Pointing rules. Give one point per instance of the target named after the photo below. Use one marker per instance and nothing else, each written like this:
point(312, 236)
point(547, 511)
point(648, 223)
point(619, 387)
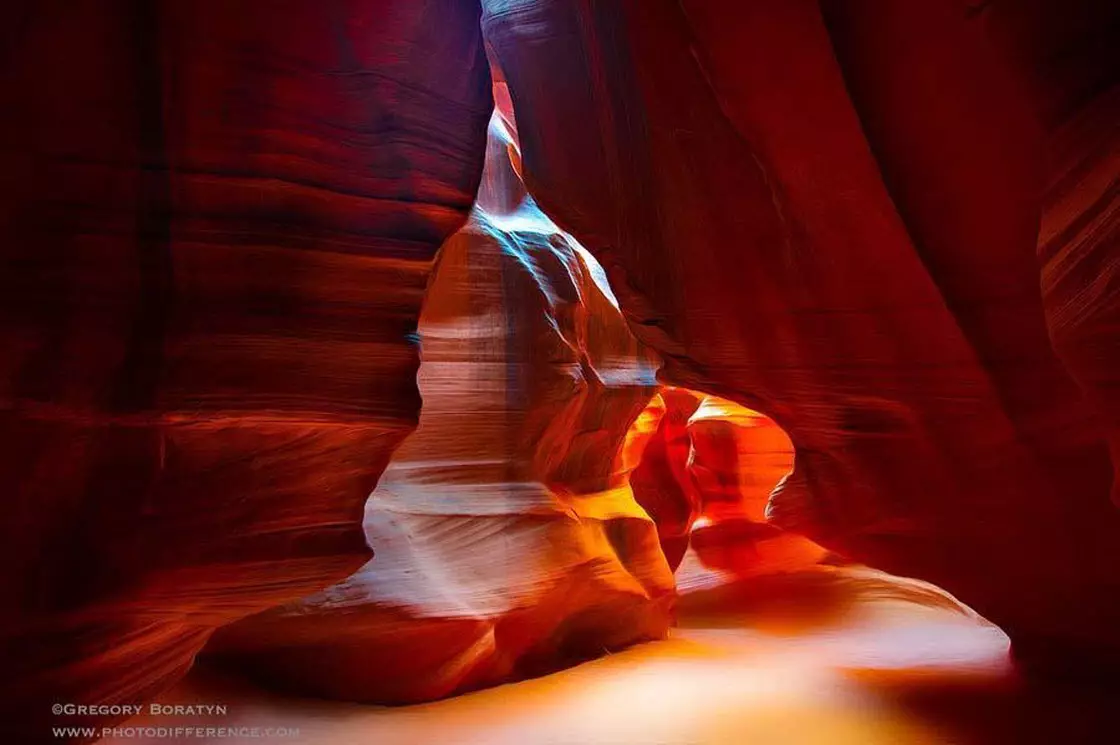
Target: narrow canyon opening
point(560, 520)
point(705, 478)
point(411, 371)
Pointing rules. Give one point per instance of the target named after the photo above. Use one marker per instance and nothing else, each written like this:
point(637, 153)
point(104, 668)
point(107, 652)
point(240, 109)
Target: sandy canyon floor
point(830, 655)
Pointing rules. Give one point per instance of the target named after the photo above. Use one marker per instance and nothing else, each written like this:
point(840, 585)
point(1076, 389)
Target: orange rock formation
point(506, 537)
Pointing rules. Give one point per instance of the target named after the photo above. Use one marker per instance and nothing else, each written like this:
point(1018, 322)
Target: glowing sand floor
point(826, 656)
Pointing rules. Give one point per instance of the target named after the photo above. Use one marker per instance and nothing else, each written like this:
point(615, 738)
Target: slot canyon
point(690, 372)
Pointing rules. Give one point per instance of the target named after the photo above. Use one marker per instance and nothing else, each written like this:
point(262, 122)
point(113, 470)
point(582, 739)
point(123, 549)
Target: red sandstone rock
point(1064, 52)
point(1079, 248)
point(706, 478)
point(1066, 57)
point(738, 457)
point(217, 223)
point(507, 540)
point(831, 218)
point(661, 482)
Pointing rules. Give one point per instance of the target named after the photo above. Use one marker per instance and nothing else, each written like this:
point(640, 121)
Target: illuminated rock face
point(507, 540)
point(217, 226)
point(217, 223)
point(738, 457)
point(828, 212)
point(706, 479)
point(662, 483)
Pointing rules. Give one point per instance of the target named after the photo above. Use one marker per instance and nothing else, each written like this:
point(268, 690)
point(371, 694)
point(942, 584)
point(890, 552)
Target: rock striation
point(218, 223)
point(662, 483)
point(828, 212)
point(739, 458)
point(506, 536)
point(706, 479)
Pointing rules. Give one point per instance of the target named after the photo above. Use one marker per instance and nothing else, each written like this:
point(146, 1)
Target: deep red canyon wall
point(890, 226)
point(1079, 242)
point(218, 221)
point(829, 214)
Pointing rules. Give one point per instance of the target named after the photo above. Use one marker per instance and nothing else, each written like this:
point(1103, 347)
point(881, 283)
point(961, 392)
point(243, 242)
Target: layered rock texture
point(1079, 249)
point(218, 220)
point(828, 212)
point(738, 459)
point(706, 479)
point(662, 483)
point(507, 540)
point(890, 228)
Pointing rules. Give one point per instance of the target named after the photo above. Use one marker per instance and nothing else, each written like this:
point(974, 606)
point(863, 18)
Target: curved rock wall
point(1079, 248)
point(706, 479)
point(507, 540)
point(828, 212)
point(661, 482)
point(217, 224)
point(738, 458)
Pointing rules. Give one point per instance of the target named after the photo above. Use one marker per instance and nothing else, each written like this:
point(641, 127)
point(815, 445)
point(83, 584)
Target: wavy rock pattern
point(828, 212)
point(507, 540)
point(1079, 248)
point(661, 482)
point(706, 480)
point(738, 458)
point(217, 225)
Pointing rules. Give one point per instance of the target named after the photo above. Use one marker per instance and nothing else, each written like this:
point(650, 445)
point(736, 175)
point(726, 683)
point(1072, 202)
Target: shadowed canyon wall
point(1068, 59)
point(1079, 243)
point(218, 222)
point(891, 227)
point(829, 213)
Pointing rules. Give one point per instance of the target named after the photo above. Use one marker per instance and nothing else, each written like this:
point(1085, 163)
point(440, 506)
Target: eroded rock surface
point(828, 212)
point(738, 459)
point(507, 540)
point(217, 224)
point(706, 479)
point(1079, 248)
point(662, 483)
